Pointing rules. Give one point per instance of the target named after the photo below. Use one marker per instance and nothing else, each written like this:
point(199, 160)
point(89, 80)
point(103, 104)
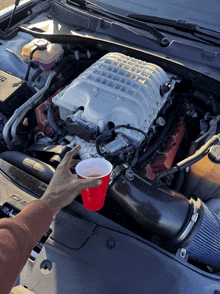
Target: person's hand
point(64, 187)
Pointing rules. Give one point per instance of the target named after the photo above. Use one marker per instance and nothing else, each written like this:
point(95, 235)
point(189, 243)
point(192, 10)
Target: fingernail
point(99, 182)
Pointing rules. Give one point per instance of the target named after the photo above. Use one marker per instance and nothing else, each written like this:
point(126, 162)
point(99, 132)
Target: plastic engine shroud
point(117, 89)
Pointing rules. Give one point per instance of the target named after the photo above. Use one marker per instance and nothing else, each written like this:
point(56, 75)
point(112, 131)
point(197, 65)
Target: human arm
point(20, 234)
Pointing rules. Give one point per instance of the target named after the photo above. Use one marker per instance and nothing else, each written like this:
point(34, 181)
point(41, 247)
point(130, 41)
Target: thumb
point(90, 183)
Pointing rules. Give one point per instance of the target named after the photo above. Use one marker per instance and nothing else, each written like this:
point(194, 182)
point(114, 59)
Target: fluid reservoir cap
point(214, 153)
point(41, 44)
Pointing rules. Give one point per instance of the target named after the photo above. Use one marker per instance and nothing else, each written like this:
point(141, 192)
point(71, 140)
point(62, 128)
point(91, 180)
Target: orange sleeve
point(18, 236)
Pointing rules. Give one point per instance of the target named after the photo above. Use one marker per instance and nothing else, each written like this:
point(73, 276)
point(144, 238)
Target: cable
point(179, 181)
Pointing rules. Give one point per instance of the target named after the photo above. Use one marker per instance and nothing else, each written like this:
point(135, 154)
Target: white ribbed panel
point(119, 89)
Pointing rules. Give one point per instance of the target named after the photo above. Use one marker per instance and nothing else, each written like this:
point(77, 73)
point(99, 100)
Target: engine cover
point(117, 89)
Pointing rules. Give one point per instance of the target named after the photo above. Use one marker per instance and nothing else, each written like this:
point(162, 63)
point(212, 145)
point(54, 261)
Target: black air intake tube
point(177, 221)
point(30, 165)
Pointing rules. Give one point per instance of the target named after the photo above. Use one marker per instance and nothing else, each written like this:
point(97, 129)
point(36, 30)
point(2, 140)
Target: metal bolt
point(183, 253)
point(129, 174)
point(161, 121)
point(46, 266)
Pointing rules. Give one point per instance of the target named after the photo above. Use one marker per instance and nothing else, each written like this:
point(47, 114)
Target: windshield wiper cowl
point(180, 25)
point(163, 41)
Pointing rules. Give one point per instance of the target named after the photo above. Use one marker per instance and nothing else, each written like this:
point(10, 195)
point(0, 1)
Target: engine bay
point(145, 120)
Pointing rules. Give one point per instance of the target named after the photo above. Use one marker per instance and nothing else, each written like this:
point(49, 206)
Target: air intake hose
point(175, 220)
point(30, 165)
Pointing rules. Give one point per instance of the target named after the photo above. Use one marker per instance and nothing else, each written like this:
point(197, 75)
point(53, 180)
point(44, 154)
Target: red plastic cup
point(99, 168)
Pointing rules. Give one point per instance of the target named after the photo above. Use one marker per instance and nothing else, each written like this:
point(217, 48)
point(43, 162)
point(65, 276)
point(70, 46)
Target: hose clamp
point(191, 224)
point(116, 172)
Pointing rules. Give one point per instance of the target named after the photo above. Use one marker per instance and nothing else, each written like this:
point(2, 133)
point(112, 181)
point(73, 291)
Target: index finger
point(69, 155)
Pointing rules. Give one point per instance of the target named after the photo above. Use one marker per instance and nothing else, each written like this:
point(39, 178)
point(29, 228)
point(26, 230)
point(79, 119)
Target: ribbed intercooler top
point(118, 89)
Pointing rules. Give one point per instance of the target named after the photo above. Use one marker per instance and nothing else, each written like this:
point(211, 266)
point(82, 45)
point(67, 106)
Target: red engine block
point(164, 160)
point(42, 118)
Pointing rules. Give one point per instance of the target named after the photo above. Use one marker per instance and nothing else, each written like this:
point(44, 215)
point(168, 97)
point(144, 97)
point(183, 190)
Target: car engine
point(156, 127)
point(119, 90)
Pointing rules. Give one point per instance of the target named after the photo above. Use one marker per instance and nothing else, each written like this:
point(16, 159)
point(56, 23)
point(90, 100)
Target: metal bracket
point(182, 254)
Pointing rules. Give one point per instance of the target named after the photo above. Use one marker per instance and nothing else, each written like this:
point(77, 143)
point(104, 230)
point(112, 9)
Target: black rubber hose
point(97, 145)
point(192, 150)
point(32, 166)
point(179, 180)
point(200, 154)
point(29, 63)
point(51, 121)
point(189, 160)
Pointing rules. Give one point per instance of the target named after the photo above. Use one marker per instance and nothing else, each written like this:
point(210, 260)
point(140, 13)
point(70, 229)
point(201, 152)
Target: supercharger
point(120, 90)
